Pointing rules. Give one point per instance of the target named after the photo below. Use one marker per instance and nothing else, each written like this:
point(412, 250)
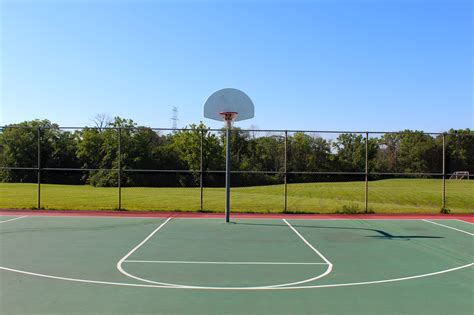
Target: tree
point(95, 151)
point(102, 120)
point(186, 144)
point(409, 152)
point(308, 154)
point(267, 153)
point(460, 150)
point(19, 148)
point(350, 152)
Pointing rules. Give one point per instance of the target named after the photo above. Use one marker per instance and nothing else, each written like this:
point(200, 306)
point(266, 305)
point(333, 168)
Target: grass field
point(385, 196)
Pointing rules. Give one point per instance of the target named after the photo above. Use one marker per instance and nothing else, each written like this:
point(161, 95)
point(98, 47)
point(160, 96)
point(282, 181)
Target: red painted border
point(167, 214)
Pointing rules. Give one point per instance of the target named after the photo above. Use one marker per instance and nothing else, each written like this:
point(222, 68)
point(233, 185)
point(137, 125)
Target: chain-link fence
point(138, 168)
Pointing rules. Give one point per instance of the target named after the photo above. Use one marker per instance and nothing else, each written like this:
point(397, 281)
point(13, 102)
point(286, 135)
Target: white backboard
point(228, 100)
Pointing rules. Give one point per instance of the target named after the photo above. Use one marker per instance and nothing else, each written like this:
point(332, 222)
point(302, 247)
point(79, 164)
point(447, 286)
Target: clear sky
point(318, 65)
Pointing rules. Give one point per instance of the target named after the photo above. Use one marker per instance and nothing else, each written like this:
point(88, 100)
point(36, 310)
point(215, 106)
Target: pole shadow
point(381, 234)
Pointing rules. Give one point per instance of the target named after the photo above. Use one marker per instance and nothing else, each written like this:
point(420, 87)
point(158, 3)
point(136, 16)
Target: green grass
point(385, 196)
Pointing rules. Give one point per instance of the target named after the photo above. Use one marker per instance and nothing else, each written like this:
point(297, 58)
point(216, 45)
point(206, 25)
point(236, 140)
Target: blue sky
point(317, 65)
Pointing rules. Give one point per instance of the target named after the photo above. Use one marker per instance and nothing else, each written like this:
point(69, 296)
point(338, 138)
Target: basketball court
point(342, 183)
point(73, 263)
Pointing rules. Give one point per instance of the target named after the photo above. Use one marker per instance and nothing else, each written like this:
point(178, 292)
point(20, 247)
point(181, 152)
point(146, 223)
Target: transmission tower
point(175, 119)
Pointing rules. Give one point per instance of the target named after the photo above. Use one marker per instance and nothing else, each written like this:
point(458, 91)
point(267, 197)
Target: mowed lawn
point(385, 196)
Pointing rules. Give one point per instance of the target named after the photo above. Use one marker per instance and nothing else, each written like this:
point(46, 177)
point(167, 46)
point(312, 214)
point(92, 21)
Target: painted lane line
point(321, 286)
point(120, 262)
point(464, 221)
point(449, 227)
point(17, 218)
point(307, 243)
point(386, 280)
point(329, 264)
point(222, 262)
point(123, 284)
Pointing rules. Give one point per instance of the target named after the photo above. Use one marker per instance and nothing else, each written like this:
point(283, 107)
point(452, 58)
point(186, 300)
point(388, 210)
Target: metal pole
point(227, 172)
point(201, 179)
point(443, 193)
point(38, 204)
point(286, 172)
point(366, 197)
point(120, 168)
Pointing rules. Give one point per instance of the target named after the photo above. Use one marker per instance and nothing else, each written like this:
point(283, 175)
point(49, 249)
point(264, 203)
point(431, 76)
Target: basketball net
point(228, 117)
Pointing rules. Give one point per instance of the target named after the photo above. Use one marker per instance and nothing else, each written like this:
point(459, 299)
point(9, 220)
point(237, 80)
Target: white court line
point(307, 243)
point(448, 227)
point(329, 264)
point(463, 221)
point(222, 262)
point(17, 218)
point(321, 286)
point(124, 284)
point(121, 261)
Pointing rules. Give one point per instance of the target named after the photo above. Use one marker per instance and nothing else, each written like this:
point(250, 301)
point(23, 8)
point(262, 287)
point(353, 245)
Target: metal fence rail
point(194, 158)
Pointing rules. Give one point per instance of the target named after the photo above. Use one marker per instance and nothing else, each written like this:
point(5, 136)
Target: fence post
point(286, 172)
point(38, 203)
point(366, 195)
point(120, 168)
point(443, 193)
point(201, 179)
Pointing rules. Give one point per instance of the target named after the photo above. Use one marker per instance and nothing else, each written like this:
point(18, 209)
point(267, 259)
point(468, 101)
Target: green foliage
point(349, 209)
point(409, 152)
point(460, 151)
point(19, 148)
point(186, 144)
point(307, 153)
point(94, 149)
point(350, 150)
point(445, 210)
point(353, 209)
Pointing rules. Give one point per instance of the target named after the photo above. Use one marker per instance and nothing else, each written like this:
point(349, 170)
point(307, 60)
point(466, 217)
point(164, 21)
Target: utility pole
point(174, 118)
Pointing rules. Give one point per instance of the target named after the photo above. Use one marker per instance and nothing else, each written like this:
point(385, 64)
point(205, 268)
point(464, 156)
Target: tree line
point(259, 157)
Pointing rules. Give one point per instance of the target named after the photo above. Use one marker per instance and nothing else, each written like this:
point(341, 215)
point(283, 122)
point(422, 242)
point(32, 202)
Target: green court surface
point(106, 265)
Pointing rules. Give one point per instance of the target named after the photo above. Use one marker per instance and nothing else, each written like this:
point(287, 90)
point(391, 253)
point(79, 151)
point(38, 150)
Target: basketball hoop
point(231, 101)
point(229, 117)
